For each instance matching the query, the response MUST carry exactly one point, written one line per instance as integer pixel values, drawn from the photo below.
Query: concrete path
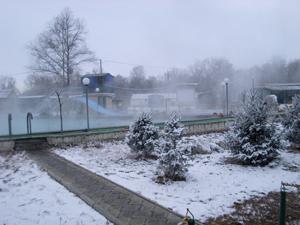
(118, 204)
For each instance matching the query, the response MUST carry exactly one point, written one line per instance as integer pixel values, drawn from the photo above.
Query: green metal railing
(100, 130)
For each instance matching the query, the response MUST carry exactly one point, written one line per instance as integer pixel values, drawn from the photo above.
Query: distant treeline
(207, 75)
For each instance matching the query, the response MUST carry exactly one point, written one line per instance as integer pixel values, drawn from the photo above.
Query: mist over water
(171, 56)
(197, 92)
(49, 123)
(53, 124)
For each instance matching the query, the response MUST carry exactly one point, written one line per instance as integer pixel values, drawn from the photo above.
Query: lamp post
(223, 98)
(86, 82)
(97, 90)
(226, 81)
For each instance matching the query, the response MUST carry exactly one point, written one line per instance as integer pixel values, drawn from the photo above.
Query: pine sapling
(292, 121)
(253, 138)
(142, 137)
(172, 162)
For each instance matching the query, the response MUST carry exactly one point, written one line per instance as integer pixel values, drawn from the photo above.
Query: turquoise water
(69, 123)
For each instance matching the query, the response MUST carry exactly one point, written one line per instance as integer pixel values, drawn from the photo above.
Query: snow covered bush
(203, 144)
(253, 138)
(172, 162)
(292, 121)
(173, 129)
(142, 137)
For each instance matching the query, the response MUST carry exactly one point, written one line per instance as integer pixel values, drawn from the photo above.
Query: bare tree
(137, 77)
(209, 74)
(7, 82)
(36, 82)
(61, 47)
(60, 109)
(293, 71)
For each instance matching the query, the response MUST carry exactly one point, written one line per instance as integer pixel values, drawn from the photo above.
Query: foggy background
(164, 55)
(158, 34)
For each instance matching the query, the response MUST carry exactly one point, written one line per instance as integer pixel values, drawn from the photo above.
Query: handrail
(109, 129)
(29, 117)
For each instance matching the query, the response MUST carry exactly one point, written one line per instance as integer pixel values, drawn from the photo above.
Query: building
(283, 91)
(101, 83)
(153, 102)
(187, 96)
(101, 89)
(100, 93)
(181, 98)
(7, 99)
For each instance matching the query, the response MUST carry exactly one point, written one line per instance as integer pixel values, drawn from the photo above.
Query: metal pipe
(29, 117)
(9, 124)
(227, 114)
(87, 107)
(282, 205)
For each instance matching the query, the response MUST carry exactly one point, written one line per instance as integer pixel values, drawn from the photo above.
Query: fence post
(9, 124)
(282, 204)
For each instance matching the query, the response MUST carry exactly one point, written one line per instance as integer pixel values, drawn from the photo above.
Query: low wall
(84, 138)
(7, 146)
(206, 128)
(190, 129)
(115, 133)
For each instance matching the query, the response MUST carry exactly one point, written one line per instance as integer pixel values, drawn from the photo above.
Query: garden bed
(212, 187)
(263, 210)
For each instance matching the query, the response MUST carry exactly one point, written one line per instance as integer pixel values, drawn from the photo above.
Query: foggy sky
(161, 33)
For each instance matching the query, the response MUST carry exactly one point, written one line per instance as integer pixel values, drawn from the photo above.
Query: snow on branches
(292, 121)
(253, 138)
(172, 162)
(142, 137)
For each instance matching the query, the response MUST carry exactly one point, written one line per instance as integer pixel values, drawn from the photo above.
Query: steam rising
(167, 56)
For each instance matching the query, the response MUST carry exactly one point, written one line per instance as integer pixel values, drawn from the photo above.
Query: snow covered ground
(211, 187)
(29, 196)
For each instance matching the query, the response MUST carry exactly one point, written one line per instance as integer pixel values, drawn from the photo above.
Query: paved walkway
(118, 204)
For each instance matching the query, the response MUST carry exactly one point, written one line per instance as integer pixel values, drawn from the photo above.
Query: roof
(97, 75)
(187, 85)
(145, 96)
(283, 87)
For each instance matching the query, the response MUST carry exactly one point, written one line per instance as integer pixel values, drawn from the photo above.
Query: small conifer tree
(172, 162)
(292, 121)
(253, 138)
(142, 137)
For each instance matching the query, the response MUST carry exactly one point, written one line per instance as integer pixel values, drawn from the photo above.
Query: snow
(172, 160)
(29, 196)
(211, 187)
(253, 137)
(143, 136)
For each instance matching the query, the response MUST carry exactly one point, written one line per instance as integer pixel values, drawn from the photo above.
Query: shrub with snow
(172, 162)
(253, 138)
(292, 121)
(173, 129)
(142, 137)
(203, 144)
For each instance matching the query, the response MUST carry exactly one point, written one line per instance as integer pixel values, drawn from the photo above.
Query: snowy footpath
(29, 196)
(212, 185)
